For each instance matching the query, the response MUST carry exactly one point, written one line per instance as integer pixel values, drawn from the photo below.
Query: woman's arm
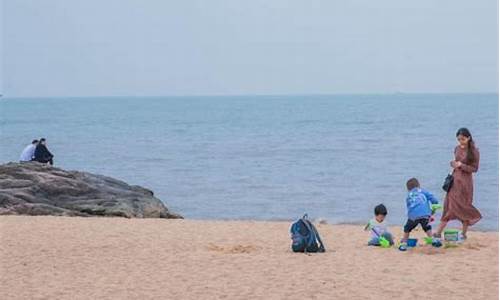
(473, 167)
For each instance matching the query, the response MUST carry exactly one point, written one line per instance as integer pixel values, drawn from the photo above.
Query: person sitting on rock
(42, 154)
(29, 152)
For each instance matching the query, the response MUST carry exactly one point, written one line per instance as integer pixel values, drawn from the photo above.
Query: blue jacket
(417, 203)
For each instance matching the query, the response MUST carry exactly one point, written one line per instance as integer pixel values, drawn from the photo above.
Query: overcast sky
(161, 47)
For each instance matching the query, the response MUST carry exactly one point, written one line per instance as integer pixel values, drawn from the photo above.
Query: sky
(160, 47)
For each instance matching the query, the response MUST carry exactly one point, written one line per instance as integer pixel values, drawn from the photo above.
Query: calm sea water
(266, 157)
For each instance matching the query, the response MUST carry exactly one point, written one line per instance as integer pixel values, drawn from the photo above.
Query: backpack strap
(315, 233)
(321, 246)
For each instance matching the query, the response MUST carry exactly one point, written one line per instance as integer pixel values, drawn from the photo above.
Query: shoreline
(474, 228)
(117, 258)
(230, 220)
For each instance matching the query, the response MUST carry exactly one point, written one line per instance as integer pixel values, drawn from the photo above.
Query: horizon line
(251, 95)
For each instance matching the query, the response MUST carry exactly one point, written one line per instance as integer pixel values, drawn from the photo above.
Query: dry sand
(114, 258)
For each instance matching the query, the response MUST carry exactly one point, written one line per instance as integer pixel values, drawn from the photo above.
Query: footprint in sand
(233, 249)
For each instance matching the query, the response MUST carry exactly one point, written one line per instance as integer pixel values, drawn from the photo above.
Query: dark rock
(38, 189)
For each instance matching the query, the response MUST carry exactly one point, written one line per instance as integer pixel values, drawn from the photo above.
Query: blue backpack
(305, 237)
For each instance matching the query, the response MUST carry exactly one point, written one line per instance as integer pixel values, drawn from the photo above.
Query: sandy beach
(117, 258)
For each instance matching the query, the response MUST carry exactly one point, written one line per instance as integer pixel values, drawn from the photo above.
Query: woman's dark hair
(469, 157)
(380, 210)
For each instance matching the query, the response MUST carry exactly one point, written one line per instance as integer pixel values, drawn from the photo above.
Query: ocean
(266, 157)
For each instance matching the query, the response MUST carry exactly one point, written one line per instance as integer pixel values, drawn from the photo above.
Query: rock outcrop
(37, 189)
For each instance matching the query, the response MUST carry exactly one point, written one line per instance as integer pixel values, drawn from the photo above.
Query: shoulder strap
(313, 230)
(321, 246)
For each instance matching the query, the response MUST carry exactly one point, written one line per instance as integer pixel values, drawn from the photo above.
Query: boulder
(32, 188)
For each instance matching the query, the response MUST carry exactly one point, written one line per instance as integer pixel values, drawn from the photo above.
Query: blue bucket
(412, 242)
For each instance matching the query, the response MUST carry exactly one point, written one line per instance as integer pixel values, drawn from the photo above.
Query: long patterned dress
(458, 201)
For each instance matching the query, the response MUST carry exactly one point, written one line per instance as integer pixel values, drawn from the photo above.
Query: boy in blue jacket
(418, 204)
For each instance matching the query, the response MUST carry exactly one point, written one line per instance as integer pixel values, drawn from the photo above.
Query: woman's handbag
(448, 182)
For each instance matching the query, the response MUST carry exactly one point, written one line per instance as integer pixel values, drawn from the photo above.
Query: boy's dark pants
(412, 224)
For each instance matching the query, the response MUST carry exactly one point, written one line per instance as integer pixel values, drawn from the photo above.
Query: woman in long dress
(458, 201)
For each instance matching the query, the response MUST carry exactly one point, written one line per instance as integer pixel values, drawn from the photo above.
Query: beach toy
(412, 242)
(436, 207)
(452, 235)
(428, 240)
(434, 215)
(384, 243)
